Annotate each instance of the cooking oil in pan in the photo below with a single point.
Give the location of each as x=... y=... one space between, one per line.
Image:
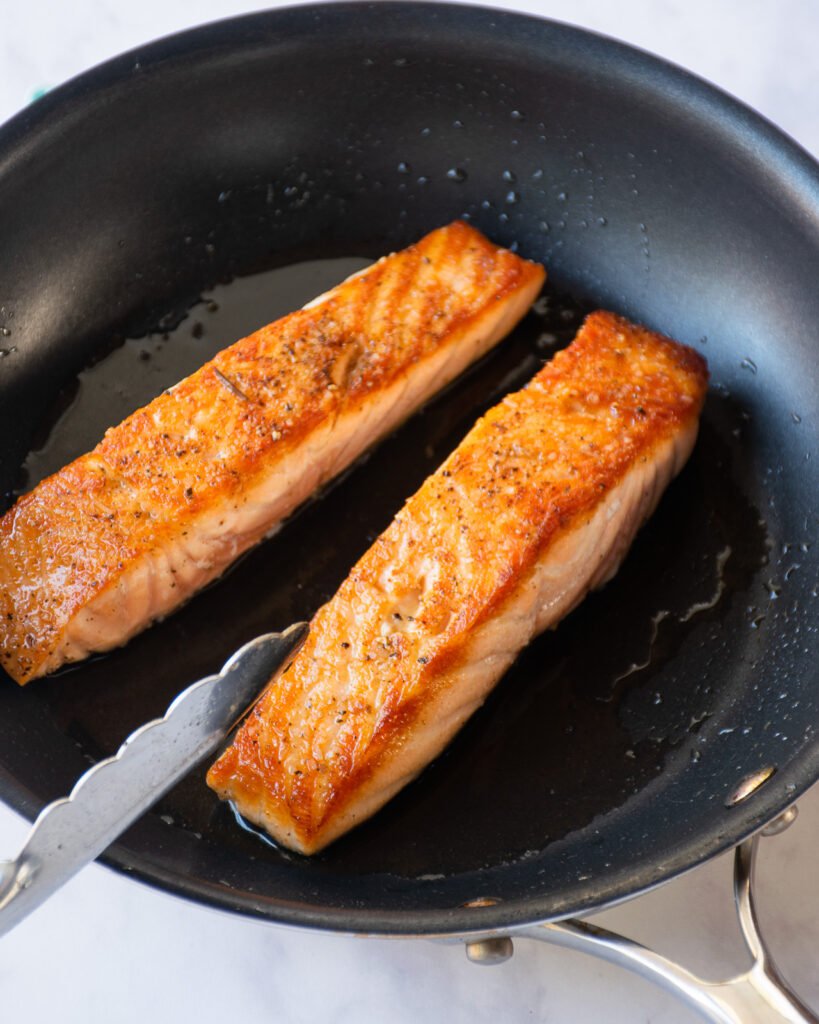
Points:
x=588 y=714
x=141 y=368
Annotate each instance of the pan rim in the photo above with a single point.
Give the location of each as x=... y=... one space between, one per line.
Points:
x=788 y=163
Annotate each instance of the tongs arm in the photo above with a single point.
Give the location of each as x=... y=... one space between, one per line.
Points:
x=109 y=797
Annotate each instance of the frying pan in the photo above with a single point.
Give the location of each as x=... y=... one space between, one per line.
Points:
x=616 y=753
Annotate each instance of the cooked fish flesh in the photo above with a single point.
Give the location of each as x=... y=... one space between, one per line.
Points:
x=536 y=506
x=175 y=493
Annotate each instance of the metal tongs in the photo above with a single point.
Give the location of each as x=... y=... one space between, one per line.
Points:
x=109 y=797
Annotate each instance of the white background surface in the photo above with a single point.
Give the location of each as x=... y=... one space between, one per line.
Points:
x=108 y=950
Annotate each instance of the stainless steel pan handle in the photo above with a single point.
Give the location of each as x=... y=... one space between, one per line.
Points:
x=758 y=996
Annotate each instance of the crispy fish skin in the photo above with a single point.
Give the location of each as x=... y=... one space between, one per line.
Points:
x=171 y=496
x=537 y=505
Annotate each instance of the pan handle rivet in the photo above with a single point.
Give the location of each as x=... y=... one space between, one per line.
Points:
x=781 y=822
x=489 y=952
x=750 y=784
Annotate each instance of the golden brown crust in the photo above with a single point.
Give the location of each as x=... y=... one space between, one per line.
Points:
x=534 y=467
x=76 y=536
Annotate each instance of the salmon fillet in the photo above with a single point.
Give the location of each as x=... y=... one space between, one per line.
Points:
x=175 y=493
x=537 y=505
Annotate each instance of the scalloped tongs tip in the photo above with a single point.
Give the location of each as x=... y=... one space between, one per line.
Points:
x=73 y=831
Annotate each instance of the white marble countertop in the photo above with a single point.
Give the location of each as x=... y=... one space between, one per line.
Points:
x=106 y=949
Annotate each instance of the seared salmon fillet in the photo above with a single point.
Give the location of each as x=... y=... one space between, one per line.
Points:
x=537 y=505
x=175 y=493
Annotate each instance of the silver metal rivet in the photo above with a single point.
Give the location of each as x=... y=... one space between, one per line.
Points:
x=781 y=822
x=482 y=901
x=750 y=784
x=489 y=952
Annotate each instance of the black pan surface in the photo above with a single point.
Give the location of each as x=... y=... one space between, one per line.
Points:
x=279 y=151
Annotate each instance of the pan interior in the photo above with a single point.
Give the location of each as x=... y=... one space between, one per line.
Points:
x=602 y=762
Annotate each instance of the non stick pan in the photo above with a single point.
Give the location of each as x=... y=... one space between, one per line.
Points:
x=613 y=756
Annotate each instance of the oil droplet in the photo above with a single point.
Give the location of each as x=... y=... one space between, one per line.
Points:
x=796 y=417
x=400 y=62
x=509 y=176
x=368 y=62
x=7 y=351
x=516 y=115
x=423 y=180
x=695 y=756
x=224 y=196
x=457 y=123
x=403 y=167
x=748 y=364
x=512 y=197
x=5 y=332
x=537 y=175
x=562 y=197
x=546 y=340
x=425 y=131
x=544 y=226
x=487 y=204
x=456 y=174
x=504 y=218
x=704 y=606
x=602 y=221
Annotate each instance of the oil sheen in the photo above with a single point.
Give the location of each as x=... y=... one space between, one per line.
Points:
x=587 y=716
